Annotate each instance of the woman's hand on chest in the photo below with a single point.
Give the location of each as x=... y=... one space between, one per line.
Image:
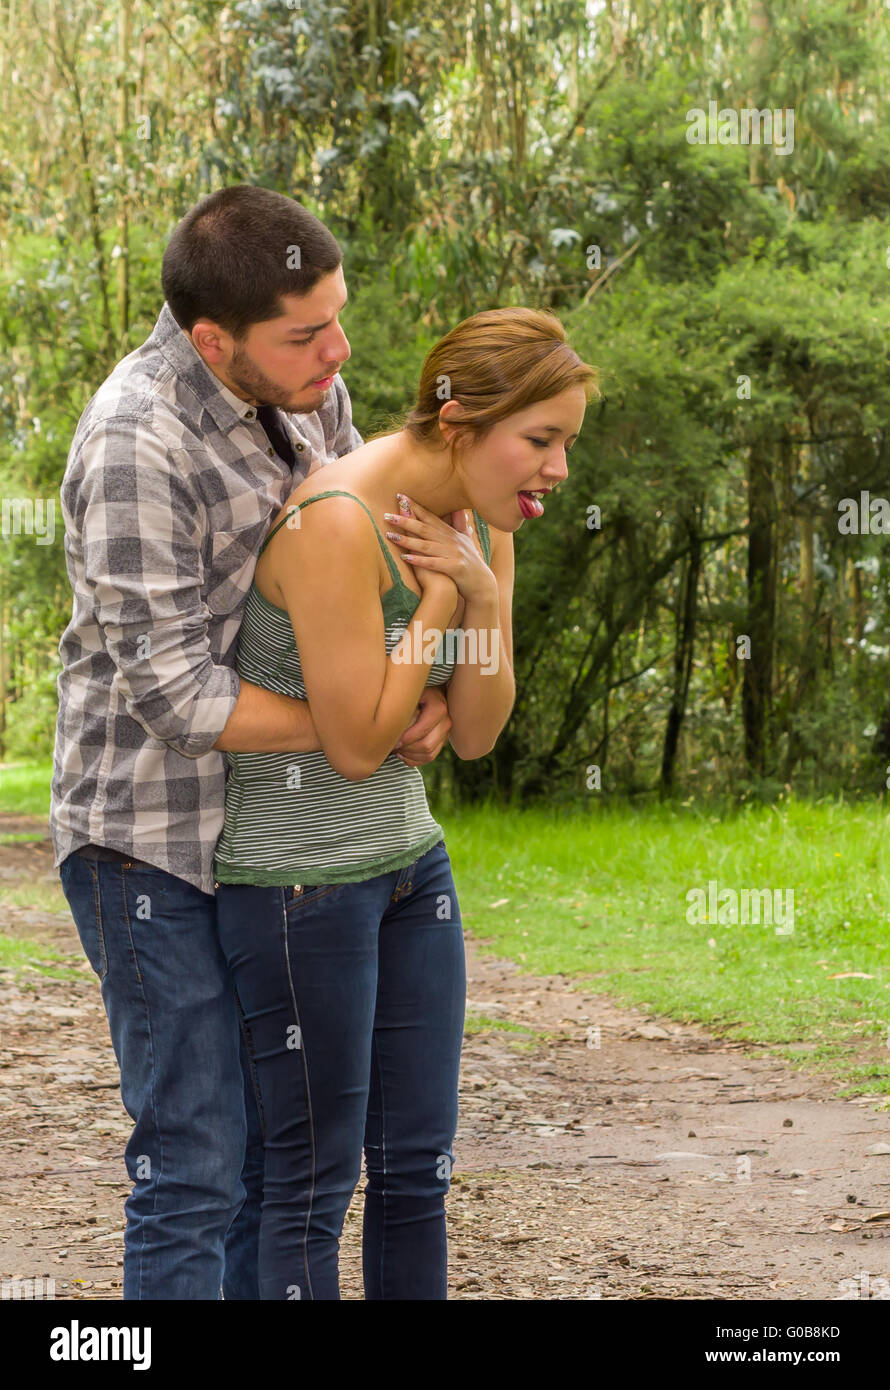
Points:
x=452 y=548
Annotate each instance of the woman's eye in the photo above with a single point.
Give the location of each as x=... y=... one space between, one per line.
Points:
x=541 y=443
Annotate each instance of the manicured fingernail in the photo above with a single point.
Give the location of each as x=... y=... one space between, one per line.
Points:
x=391 y=535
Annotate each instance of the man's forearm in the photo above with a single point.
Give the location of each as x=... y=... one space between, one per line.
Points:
x=265 y=722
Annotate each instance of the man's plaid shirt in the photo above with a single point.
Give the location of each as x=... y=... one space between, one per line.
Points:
x=168 y=492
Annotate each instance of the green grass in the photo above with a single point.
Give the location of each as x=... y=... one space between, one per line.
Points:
x=482 y=1023
x=528 y=1037
x=22 y=956
x=24 y=788
x=42 y=897
x=24 y=791
x=600 y=895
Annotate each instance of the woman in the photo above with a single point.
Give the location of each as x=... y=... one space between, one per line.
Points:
x=335 y=900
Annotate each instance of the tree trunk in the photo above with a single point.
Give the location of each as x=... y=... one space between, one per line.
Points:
x=123 y=231
x=761 y=612
x=808 y=657
x=760 y=28
x=687 y=612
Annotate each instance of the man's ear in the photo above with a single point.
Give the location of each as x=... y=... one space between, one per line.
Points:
x=210 y=341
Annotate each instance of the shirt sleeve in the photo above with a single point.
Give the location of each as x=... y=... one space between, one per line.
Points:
x=346 y=436
x=140 y=527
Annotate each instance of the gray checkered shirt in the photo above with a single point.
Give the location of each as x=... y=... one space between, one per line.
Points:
x=168 y=492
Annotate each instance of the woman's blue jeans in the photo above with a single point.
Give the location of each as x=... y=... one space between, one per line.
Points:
x=353 y=997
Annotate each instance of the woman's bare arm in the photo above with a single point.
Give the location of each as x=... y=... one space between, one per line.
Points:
x=361 y=699
x=481 y=692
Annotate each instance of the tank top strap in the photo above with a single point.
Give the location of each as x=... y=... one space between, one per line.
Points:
x=484 y=537
x=338 y=492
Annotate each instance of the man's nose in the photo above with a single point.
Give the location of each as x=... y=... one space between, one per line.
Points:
x=338 y=349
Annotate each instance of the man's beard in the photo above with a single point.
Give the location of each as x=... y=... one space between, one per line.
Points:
x=248 y=377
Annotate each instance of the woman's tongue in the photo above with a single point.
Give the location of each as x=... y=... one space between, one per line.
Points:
x=530 y=506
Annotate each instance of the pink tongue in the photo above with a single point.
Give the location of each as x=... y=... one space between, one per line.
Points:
x=530 y=506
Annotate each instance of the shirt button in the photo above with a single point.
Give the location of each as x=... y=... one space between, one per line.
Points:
x=249 y=414
x=299 y=448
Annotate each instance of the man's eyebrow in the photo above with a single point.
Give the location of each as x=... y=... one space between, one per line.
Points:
x=312 y=327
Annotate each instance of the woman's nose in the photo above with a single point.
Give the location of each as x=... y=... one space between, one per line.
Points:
x=559 y=470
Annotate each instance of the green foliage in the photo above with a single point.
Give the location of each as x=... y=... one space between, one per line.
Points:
x=731 y=296
x=388 y=348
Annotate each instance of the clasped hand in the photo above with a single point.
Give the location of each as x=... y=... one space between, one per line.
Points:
x=431 y=543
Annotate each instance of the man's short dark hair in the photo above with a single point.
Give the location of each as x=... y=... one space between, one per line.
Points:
x=237 y=251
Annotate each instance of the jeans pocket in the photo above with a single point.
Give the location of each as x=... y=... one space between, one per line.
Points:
x=80 y=884
x=304 y=895
x=93 y=941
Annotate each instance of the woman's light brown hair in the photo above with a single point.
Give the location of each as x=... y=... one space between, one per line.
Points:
x=494 y=364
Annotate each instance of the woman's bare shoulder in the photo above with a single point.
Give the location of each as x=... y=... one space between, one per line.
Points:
x=303 y=536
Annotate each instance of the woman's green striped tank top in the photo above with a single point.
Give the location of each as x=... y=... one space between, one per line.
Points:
x=290 y=818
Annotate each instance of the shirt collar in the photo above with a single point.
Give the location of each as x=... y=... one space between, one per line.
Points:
x=224 y=407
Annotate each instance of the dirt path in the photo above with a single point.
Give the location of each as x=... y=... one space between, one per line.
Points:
x=601 y=1152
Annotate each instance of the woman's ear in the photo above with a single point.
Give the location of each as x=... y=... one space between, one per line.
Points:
x=450 y=415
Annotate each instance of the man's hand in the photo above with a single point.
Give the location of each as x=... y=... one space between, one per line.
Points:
x=424 y=740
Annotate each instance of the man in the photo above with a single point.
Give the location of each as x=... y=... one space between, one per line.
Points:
x=176 y=467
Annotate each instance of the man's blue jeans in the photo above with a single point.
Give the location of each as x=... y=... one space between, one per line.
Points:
x=354 y=997
x=195 y=1156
